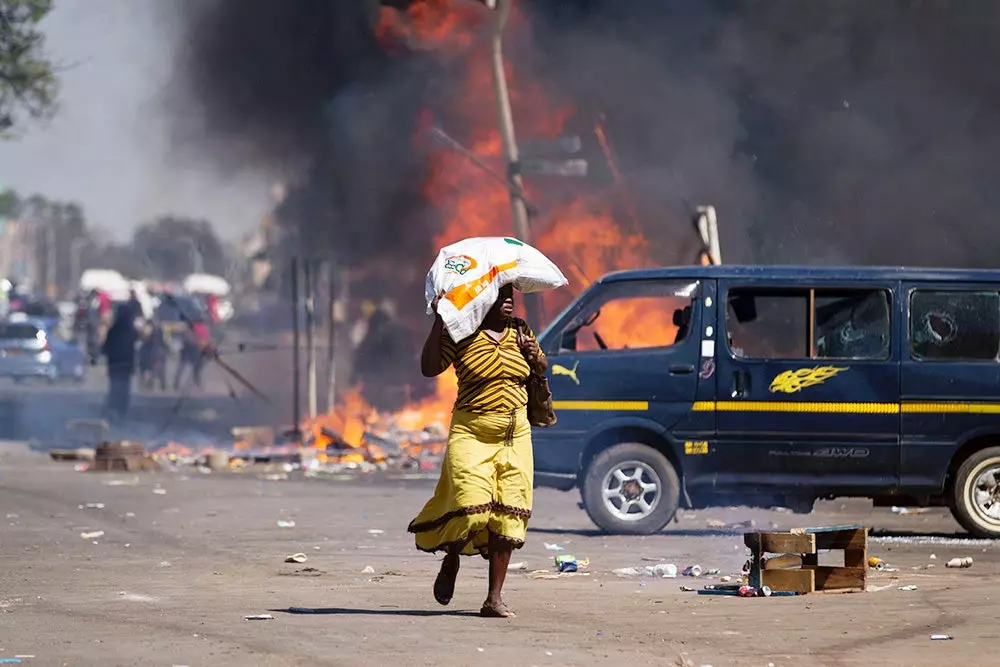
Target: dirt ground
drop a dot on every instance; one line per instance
(177, 570)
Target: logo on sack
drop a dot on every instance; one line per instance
(460, 264)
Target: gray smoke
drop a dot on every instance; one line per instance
(823, 131)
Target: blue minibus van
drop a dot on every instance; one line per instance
(695, 387)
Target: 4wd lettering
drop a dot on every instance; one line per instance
(841, 453)
(460, 264)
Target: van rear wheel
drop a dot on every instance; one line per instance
(631, 489)
(976, 501)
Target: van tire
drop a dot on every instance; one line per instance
(964, 506)
(632, 458)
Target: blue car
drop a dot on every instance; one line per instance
(35, 348)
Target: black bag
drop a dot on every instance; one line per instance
(540, 410)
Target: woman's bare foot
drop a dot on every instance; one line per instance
(496, 610)
(444, 584)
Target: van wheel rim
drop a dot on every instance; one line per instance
(984, 494)
(631, 491)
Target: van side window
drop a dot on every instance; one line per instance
(775, 324)
(952, 325)
(635, 314)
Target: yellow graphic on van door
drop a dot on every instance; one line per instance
(571, 374)
(791, 382)
(700, 447)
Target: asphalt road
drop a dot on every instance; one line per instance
(184, 557)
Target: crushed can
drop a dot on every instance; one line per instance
(747, 592)
(692, 571)
(568, 566)
(876, 563)
(764, 592)
(564, 558)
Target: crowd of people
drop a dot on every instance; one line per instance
(136, 343)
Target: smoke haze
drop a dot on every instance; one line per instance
(831, 131)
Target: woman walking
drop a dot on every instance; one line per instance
(482, 502)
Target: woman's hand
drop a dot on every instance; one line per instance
(530, 348)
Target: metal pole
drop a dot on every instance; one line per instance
(519, 210)
(309, 272)
(74, 261)
(331, 337)
(50, 260)
(296, 400)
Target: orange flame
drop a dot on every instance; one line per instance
(583, 237)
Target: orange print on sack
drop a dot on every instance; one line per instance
(462, 295)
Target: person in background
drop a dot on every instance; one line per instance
(119, 349)
(153, 353)
(135, 305)
(212, 305)
(197, 342)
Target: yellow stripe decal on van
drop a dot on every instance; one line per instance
(601, 405)
(967, 408)
(796, 406)
(847, 408)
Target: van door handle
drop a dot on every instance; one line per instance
(741, 384)
(681, 369)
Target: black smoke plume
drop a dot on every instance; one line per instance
(829, 131)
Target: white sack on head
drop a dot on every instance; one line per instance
(470, 273)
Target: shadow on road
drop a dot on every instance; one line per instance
(340, 611)
(680, 532)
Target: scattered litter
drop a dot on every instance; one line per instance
(959, 563)
(368, 570)
(553, 547)
(122, 482)
(939, 638)
(664, 570)
(160, 492)
(911, 587)
(520, 565)
(933, 556)
(876, 563)
(930, 539)
(725, 579)
(259, 617)
(92, 506)
(164, 563)
(92, 536)
(687, 589)
(872, 588)
(286, 524)
(692, 571)
(910, 510)
(10, 661)
(715, 523)
(13, 516)
(297, 558)
(545, 574)
(375, 531)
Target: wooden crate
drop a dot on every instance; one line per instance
(805, 544)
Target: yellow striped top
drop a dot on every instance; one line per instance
(491, 373)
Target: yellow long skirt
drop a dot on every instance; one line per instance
(485, 485)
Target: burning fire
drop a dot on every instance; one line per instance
(584, 237)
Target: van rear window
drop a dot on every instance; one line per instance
(955, 326)
(804, 323)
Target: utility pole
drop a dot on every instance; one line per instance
(519, 209)
(309, 274)
(296, 400)
(331, 336)
(50, 260)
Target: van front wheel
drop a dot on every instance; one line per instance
(977, 493)
(631, 489)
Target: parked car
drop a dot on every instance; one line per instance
(34, 348)
(701, 387)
